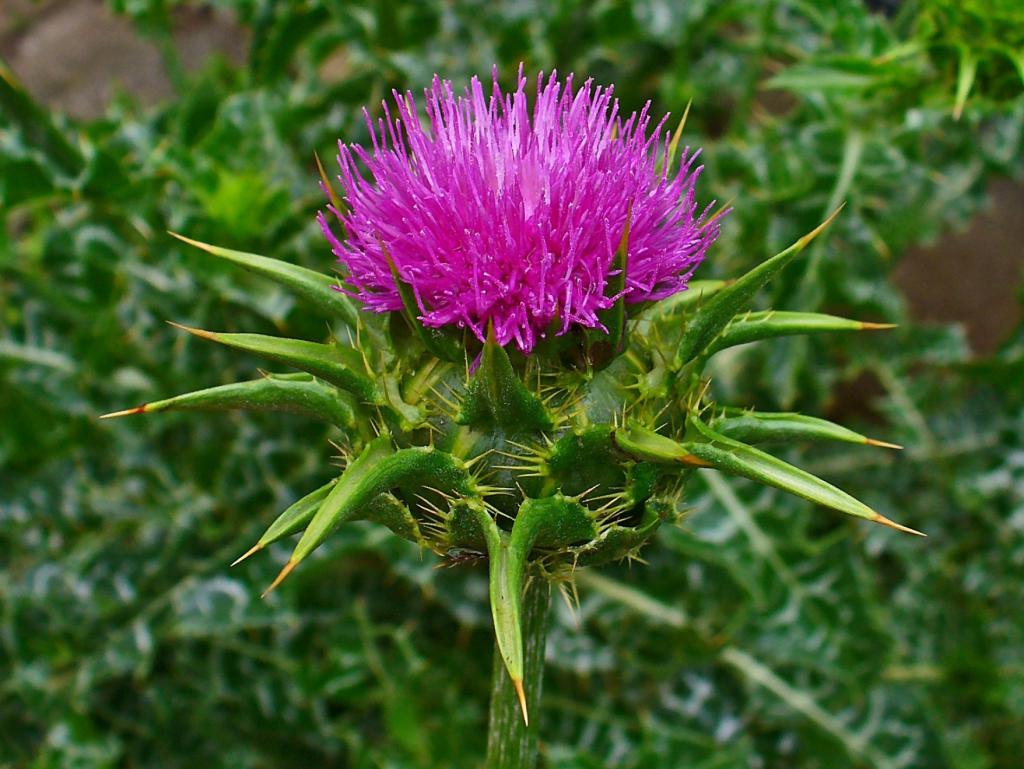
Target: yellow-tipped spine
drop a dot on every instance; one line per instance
(126, 412)
(251, 551)
(521, 694)
(879, 518)
(288, 567)
(882, 444)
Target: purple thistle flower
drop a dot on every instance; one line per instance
(494, 215)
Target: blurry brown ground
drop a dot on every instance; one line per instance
(972, 277)
(75, 55)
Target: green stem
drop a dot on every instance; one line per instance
(510, 743)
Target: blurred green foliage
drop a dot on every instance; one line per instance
(761, 633)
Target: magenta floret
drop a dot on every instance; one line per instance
(494, 213)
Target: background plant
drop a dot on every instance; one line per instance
(759, 631)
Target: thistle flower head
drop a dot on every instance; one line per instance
(515, 223)
(496, 213)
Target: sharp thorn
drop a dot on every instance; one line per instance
(866, 326)
(254, 549)
(882, 444)
(280, 577)
(127, 412)
(196, 331)
(804, 240)
(879, 518)
(197, 243)
(521, 694)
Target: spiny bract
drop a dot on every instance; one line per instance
(541, 463)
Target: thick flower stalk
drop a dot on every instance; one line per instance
(517, 372)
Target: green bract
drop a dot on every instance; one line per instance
(569, 457)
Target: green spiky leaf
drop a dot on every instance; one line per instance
(316, 289)
(649, 446)
(763, 427)
(300, 394)
(341, 366)
(720, 309)
(378, 470)
(754, 326)
(713, 450)
(293, 519)
(555, 522)
(385, 509)
(731, 456)
(497, 398)
(505, 582)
